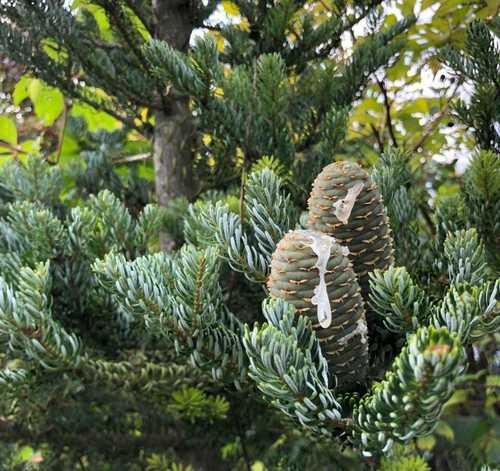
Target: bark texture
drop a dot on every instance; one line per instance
(174, 129)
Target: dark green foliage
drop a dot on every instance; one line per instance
(62, 327)
(287, 364)
(397, 184)
(471, 305)
(248, 243)
(258, 109)
(408, 401)
(33, 182)
(477, 205)
(172, 299)
(482, 201)
(395, 297)
(478, 64)
(99, 169)
(78, 44)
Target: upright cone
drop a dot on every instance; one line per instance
(312, 272)
(347, 205)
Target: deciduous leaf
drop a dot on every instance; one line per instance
(99, 15)
(8, 131)
(95, 119)
(24, 454)
(426, 443)
(48, 101)
(445, 431)
(31, 146)
(21, 89)
(230, 8)
(458, 397)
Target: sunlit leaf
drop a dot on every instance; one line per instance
(458, 397)
(493, 381)
(8, 131)
(99, 15)
(20, 92)
(24, 454)
(48, 101)
(31, 146)
(426, 443)
(230, 8)
(95, 119)
(445, 431)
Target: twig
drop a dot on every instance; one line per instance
(82, 464)
(243, 165)
(101, 44)
(115, 12)
(427, 217)
(136, 48)
(132, 158)
(387, 105)
(377, 137)
(246, 457)
(433, 124)
(215, 28)
(12, 148)
(242, 194)
(61, 136)
(141, 58)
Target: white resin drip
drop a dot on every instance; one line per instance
(321, 245)
(344, 206)
(344, 250)
(361, 329)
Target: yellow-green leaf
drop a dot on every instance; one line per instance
(445, 431)
(95, 119)
(31, 146)
(458, 397)
(8, 131)
(230, 8)
(99, 15)
(24, 454)
(426, 443)
(48, 101)
(258, 466)
(493, 381)
(21, 89)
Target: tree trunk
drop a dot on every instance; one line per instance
(172, 153)
(174, 129)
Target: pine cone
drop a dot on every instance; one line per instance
(333, 301)
(347, 205)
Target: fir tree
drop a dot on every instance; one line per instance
(344, 328)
